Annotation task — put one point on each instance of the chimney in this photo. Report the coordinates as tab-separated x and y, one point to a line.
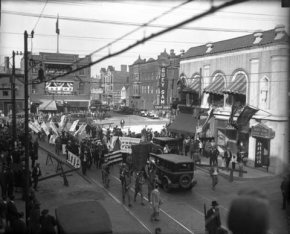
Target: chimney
6	68
209	46
258	36
123	68
279	31
182	52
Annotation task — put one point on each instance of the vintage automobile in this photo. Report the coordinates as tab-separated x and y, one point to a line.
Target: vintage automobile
174	144
174	171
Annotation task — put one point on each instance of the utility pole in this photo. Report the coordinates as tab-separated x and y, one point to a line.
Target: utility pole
26	110
13	97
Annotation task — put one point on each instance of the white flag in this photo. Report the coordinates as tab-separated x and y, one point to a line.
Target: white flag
53	127
61	123
31	125
36	124
80	128
45	128
73	126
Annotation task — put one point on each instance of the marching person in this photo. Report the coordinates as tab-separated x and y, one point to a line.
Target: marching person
213	155
126	187
139	186
214	175
213	220
105	174
36	173
285	186
84	161
156	202
227	157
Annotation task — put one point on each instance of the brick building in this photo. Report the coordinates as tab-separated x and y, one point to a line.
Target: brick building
68	93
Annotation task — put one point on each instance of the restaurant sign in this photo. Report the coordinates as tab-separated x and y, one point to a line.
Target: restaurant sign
163	87
59	87
262	131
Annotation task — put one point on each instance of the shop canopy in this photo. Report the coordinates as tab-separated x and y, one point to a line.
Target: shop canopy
238	86
47	105
184	124
192	86
216	87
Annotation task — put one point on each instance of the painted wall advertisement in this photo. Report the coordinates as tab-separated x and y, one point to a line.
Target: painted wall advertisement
163	87
59	87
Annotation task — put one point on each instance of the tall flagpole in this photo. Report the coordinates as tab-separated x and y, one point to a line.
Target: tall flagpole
57	32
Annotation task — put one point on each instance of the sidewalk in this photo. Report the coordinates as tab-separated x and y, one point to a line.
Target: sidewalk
251	173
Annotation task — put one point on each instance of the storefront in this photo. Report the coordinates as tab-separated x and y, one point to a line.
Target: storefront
263	135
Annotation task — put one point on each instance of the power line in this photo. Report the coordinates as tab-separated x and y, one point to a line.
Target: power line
40	15
208	12
123	23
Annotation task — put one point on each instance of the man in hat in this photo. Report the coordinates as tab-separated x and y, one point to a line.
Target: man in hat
36	173
47	222
213	220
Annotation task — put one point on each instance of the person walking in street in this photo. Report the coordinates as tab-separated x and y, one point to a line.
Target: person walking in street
214	171
285	190
140	180
213	155
227	157
156	202
234	161
36	173
126	187
84	162
213	220
105	174
151	180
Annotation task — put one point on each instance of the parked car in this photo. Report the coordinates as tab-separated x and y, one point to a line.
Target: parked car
174	171
144	113
154	116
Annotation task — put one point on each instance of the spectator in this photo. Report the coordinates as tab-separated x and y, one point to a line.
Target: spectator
156	202
47	223
36	173
139	186
285	184
212	219
249	213
227	157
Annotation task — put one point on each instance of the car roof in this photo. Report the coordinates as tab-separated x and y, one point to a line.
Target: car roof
166	138
175	158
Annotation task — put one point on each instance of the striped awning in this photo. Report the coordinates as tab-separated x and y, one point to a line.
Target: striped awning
192	86
216	87
238	86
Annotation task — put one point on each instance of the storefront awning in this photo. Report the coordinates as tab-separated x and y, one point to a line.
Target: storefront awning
238	86
216	87
184	124
193	86
81	104
47	105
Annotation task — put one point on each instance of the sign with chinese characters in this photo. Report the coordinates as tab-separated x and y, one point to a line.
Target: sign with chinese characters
161	107
59	87
262	131
163	86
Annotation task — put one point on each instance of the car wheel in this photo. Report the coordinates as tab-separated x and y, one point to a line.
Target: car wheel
165	185
185	181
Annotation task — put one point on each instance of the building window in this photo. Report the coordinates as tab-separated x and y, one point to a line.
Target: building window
264	93
5	93
148	89
81	88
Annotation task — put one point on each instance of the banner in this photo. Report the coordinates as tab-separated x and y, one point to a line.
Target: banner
36	124
245	116
53	127
127	142
73	126
163	83
32	127
61	123
52	139
210	115
113	157
80	130
45	128
73	160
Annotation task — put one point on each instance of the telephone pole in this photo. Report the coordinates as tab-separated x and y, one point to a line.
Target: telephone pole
26	128
13	98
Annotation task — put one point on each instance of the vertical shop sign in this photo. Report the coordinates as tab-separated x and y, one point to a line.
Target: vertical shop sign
163	86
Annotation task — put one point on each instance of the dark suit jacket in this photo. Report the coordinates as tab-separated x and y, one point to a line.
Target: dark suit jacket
213	220
228	155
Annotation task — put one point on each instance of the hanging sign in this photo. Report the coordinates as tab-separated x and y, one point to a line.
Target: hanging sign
163	86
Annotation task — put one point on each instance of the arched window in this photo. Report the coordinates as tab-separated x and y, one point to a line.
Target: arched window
264	93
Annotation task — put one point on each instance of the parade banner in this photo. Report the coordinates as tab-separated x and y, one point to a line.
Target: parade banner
36	124
63	147
127	142
53	127
73	160
114	157
73	126
62	121
32	127
45	128
80	130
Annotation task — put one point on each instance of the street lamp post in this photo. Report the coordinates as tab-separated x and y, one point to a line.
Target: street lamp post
26	129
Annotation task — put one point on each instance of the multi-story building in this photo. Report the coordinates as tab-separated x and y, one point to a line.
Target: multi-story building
250	72
96	88
67	93
153	82
113	82
5	90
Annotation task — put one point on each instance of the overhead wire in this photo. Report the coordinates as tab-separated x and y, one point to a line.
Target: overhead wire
40	15
175	26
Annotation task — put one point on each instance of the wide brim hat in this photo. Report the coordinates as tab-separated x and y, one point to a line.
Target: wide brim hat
214	203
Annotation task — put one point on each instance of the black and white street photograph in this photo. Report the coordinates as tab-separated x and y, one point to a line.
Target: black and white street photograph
144	117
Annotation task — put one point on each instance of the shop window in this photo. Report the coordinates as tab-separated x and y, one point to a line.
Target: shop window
216	100
264	93
236	99
5	93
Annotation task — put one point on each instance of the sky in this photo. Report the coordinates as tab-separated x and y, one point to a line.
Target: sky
87	26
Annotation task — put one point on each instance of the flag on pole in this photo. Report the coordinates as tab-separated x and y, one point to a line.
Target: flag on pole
245	116
56	26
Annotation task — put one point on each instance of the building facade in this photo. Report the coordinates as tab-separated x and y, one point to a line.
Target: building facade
153	82
5	90
239	75
69	93
113	82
